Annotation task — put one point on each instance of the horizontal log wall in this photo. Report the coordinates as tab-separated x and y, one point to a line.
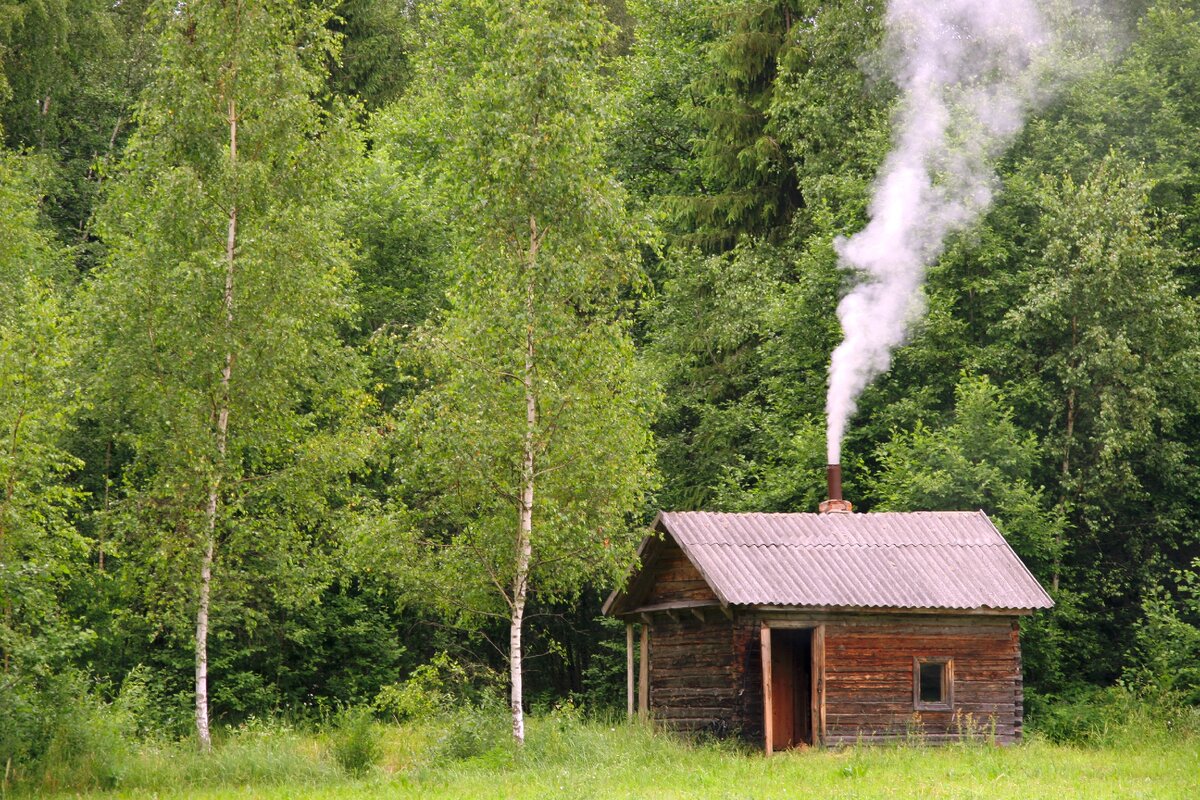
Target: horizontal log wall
869	679
869	675
676	578
693	684
708	676
748	648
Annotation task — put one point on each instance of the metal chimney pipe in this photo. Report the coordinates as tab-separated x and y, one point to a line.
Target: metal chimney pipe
836	504
833	478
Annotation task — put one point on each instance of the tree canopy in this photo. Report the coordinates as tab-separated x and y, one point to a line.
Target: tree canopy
348	342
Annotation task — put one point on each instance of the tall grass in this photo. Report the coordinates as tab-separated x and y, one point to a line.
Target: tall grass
1112	716
257	753
468	752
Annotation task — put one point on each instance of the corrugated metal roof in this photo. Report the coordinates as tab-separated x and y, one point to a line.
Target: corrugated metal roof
920	560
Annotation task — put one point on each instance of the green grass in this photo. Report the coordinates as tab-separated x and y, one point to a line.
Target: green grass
567	758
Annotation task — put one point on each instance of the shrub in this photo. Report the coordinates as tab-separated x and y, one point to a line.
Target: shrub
1111	716
470	732
1165	660
91	746
429	690
258	752
356	746
23	727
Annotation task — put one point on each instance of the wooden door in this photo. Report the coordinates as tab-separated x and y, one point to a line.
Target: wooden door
783	691
788	686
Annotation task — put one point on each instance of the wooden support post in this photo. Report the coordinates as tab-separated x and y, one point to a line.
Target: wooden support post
644	675
768	709
818	670
814	694
629	669
698	613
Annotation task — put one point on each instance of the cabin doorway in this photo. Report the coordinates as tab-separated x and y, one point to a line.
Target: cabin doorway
789	702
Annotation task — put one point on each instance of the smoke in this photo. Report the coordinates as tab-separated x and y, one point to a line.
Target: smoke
969	71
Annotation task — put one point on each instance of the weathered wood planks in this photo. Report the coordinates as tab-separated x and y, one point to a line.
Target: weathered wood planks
709	675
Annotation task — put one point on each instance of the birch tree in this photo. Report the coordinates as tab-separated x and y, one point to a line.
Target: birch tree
532	429
225	281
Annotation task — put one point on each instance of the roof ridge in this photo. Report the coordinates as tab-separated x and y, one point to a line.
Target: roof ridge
855	515
846	544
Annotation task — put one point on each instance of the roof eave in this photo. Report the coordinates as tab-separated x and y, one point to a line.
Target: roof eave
661	521
618	594
1046	598
966	612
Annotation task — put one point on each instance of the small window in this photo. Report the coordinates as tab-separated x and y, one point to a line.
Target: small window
933	683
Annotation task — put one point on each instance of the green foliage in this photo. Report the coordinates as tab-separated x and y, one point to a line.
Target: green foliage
531	149
706	325
652	138
980	460
41	552
748	177
1111	716
1103	305
225	371
603	679
60	733
355	740
75	68
465	710
429	690
471	732
598	758
543	249
1165	662
373	63
91	744
1104	336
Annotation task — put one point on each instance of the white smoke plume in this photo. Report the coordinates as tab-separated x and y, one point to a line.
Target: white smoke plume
969	71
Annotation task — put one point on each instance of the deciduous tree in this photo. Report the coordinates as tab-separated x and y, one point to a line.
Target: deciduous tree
532	432
218	307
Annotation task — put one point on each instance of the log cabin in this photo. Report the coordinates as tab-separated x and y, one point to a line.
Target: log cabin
828	628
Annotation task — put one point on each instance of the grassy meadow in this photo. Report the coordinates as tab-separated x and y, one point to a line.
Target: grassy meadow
568	757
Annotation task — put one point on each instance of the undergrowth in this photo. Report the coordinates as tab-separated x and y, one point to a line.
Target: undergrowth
471	746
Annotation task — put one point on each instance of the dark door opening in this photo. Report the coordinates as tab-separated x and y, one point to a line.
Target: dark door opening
791	688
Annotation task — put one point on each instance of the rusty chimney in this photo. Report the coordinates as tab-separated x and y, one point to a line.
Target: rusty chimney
835	504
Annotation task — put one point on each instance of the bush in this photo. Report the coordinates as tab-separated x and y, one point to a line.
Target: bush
88	751
24	730
561	736
1165	660
428	692
471	732
1110	716
91	746
258	752
59	733
356	746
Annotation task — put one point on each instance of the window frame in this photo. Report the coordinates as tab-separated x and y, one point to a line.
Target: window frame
947	701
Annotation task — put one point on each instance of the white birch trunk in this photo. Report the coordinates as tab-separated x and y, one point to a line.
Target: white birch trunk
214	488
524	549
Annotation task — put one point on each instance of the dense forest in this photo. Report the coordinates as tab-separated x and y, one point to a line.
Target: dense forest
349	348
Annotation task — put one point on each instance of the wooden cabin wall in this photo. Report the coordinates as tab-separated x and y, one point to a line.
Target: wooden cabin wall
693	685
868	672
869	679
708	676
748	647
675	578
